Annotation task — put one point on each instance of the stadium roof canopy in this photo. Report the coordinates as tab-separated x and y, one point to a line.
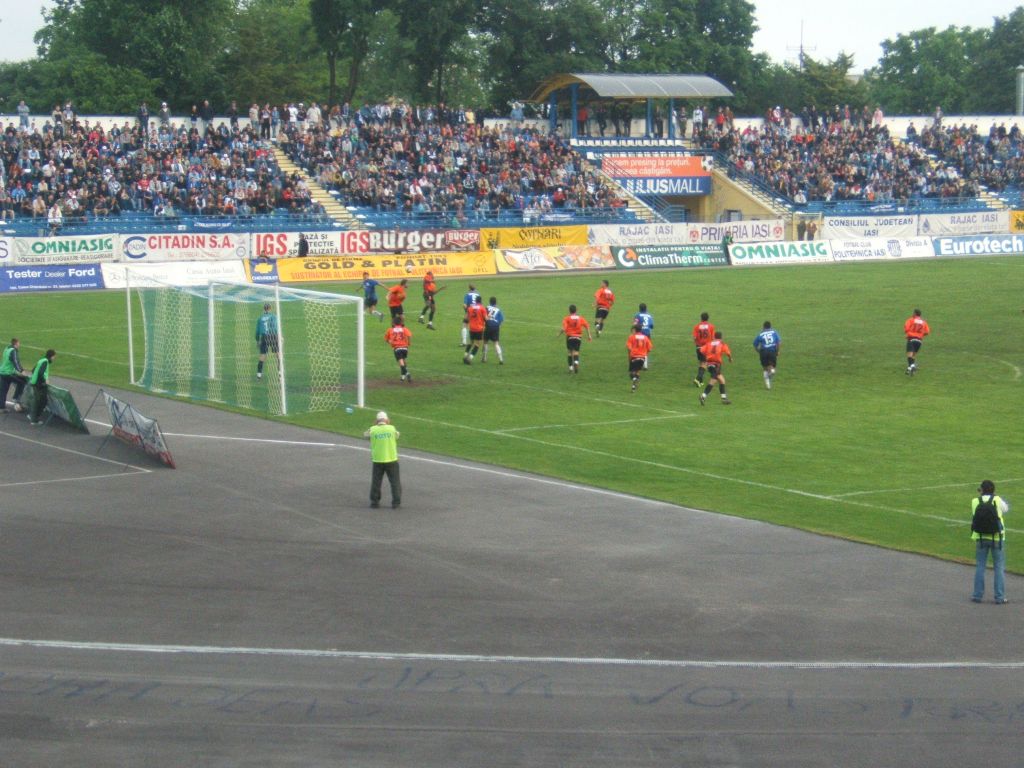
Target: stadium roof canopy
630	86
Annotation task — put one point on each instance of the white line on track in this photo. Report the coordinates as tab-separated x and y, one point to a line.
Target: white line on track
457	658
92	456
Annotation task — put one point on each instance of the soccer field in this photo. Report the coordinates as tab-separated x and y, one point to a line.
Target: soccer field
845	443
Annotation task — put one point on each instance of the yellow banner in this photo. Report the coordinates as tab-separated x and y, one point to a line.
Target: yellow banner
562	257
1017	221
326	268
526	237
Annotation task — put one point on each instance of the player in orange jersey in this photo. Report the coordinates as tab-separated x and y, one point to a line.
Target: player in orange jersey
915	329
639	346
603	300
430	290
396	295
703	332
398	336
573	326
713	352
476	322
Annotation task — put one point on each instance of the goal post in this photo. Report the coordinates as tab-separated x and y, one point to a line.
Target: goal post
201	342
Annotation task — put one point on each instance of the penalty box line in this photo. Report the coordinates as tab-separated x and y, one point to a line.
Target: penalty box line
458	658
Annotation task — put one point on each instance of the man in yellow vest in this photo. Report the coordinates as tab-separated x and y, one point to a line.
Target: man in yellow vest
384	452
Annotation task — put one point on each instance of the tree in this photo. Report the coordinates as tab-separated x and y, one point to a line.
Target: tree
343	27
435	28
995	68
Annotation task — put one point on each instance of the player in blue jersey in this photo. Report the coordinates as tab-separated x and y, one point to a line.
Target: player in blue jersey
767	344
472	297
644	320
492	330
369	289
266	337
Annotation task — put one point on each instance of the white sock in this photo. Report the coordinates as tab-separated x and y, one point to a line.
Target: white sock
465	335
501	357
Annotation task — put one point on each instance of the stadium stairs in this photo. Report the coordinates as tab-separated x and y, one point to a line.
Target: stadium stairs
338	212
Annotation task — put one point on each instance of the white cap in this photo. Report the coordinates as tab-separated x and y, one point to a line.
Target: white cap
382	416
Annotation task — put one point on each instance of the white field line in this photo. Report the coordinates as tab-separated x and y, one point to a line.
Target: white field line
460	658
595	423
1016	369
921	488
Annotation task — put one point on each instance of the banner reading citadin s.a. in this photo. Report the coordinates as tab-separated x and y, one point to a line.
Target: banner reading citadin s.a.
139	431
185	246
87	249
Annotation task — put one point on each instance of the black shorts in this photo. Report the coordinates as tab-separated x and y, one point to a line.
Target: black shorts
401	353
371	302
428	299
268	343
573	343
913	345
714	370
700	356
636	364
476	335
602	313
491	334
769	357
396	311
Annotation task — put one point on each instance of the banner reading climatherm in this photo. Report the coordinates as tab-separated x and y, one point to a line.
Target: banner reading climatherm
669	256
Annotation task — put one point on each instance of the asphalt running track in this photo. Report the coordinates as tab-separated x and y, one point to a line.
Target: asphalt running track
249	609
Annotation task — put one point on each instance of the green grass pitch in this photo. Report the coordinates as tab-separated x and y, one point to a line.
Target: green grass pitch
844	444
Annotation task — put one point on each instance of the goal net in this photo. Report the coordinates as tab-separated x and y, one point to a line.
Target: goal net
202	342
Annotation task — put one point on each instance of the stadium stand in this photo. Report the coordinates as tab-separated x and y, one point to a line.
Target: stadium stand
169	178
397	166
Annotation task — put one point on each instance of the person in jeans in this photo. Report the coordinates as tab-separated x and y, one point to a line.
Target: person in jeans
994	544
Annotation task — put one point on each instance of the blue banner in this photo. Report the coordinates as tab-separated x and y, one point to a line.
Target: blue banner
691	185
263	270
74	277
978	245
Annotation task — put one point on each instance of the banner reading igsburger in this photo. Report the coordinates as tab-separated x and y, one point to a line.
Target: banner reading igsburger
66	250
662	256
800	252
395	267
394	241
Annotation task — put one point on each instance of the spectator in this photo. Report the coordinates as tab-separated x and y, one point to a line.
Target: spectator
23	112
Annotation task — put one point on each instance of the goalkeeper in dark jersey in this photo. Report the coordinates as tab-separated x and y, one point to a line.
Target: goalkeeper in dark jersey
266	337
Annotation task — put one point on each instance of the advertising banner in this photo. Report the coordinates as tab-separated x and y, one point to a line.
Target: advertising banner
864	227
974	223
559	258
529	237
760	230
59	403
393	241
66	250
6	249
661	174
185	246
662	256
279	245
325	269
80	277
979	245
894	248
800	252
173	273
1016	223
262	271
136	430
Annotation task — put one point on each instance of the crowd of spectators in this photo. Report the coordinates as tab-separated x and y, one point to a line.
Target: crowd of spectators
995	161
68	170
839	155
437	161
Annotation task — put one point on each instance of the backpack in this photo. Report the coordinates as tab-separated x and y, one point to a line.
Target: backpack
986	518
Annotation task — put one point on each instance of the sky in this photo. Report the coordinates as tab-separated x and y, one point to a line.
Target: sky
856	27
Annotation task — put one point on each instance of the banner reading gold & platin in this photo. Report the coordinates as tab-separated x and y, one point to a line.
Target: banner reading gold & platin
317	269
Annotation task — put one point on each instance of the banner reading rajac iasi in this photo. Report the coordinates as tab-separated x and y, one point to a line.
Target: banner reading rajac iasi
185	246
748	231
87	249
914	225
393	267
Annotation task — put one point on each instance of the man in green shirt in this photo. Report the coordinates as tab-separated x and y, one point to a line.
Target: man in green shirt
40	381
11	372
384	452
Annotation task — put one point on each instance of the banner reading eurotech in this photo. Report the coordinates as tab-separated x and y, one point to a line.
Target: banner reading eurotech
559	258
661	174
394	241
663	256
863	227
979	245
183	246
394	267
66	250
529	237
801	252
